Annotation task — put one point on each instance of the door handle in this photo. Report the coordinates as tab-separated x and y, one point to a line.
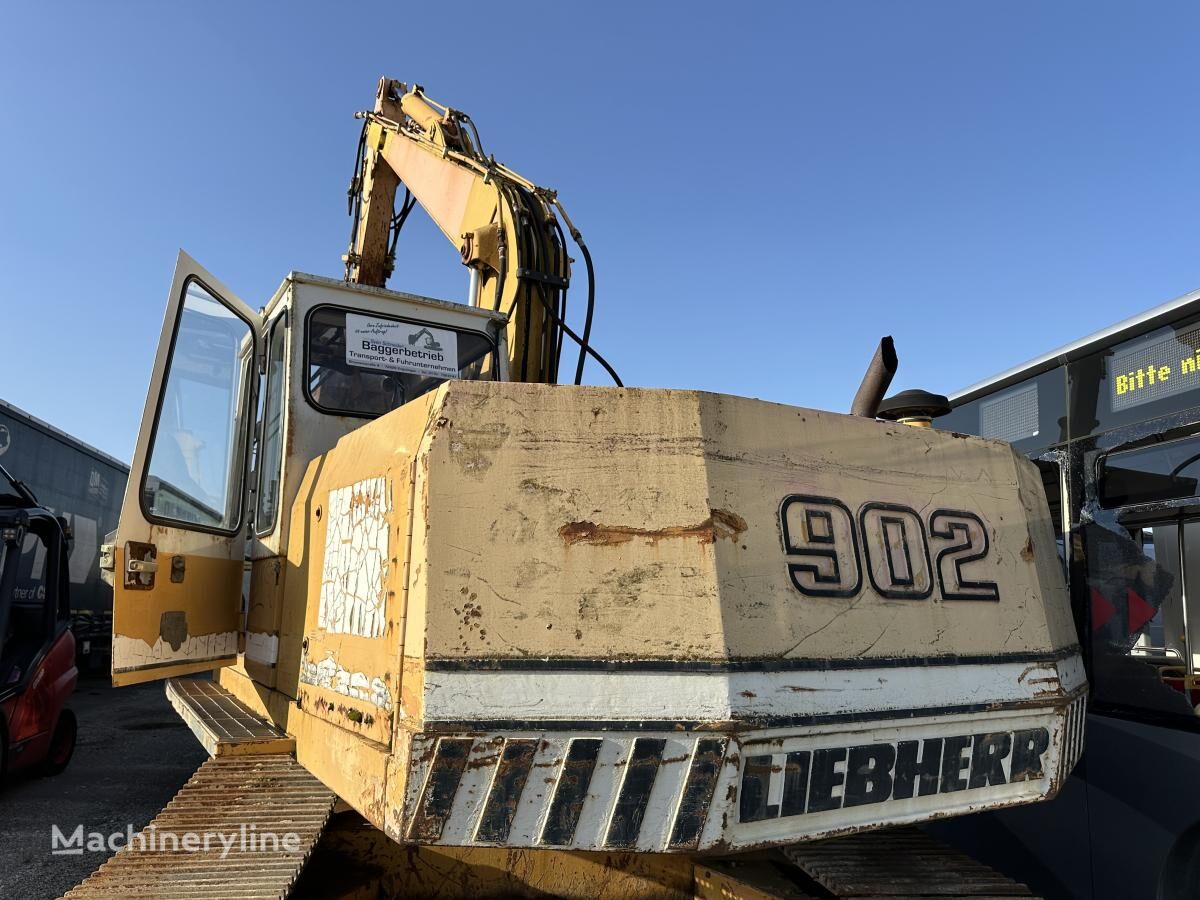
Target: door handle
141	562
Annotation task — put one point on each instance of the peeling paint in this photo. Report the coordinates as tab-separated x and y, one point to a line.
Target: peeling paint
353	599
134	652
330	675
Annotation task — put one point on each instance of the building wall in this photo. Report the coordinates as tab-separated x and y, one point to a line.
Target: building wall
76	481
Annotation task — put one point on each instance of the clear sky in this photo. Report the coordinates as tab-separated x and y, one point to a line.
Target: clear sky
766	188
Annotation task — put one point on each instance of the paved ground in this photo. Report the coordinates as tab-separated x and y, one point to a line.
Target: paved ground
133	754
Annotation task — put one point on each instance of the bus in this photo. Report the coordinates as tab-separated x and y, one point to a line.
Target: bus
85	486
1112	421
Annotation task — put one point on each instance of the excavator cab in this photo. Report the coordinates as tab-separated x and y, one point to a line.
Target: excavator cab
231	388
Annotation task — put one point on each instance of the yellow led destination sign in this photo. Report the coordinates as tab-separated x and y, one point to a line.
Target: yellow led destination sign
1155	368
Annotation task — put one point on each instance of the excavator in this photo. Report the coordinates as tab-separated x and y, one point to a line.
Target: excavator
469	631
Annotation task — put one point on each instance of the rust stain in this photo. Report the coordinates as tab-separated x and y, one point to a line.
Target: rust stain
1027	550
721	523
1035	667
483	762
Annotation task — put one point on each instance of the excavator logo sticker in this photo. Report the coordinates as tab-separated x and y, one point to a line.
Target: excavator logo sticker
430	343
832	778
377	343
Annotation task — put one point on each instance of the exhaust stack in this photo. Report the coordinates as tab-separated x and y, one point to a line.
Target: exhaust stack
876	380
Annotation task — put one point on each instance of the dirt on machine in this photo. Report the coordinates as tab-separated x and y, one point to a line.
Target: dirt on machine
495	614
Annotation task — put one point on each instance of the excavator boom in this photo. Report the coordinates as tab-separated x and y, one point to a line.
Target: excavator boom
505	228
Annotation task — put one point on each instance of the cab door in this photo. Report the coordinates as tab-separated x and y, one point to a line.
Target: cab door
177	558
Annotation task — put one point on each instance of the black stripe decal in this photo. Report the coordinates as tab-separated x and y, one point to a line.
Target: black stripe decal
697	793
756	782
515	763
882	715
573	664
795	783
640	772
440	787
570	793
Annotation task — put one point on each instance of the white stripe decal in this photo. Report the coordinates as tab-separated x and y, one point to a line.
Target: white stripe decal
722	696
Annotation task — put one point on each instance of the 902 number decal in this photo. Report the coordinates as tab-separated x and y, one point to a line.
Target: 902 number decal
821	540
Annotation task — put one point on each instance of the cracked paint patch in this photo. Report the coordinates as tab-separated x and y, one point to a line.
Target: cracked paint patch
129	653
353	599
330	675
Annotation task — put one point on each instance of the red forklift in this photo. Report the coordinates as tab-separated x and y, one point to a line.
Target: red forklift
37	649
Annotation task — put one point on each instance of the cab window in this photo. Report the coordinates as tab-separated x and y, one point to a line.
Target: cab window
194	472
362	364
34	603
270	448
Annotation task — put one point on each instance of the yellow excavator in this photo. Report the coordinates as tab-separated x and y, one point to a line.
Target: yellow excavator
560	639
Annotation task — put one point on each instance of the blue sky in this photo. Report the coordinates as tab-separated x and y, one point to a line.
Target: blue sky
766	188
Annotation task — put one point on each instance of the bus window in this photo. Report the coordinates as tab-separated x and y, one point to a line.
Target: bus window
1191	599
1051	471
1136	589
1167	471
1030	415
1162	636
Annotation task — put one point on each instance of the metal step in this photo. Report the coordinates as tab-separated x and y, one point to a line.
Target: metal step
262	816
222	723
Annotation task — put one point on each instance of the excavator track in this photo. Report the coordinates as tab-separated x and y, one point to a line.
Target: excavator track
267	806
897	863
245	792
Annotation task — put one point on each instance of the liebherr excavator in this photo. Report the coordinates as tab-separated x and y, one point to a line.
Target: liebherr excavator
503	618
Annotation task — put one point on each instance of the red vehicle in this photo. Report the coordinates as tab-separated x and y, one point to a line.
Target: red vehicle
37	649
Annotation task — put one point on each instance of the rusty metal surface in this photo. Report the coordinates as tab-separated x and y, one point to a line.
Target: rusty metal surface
242	799
896	863
747	877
